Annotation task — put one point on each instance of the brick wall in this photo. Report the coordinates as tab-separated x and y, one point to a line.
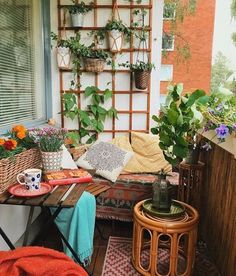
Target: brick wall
198	31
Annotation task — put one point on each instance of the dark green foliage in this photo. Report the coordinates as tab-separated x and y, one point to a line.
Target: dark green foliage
81	8
139	66
178	123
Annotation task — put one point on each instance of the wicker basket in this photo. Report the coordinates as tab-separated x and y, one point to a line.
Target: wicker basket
141	79
95	65
78	151
10	167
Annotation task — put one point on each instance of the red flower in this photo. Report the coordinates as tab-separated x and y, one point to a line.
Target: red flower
10	144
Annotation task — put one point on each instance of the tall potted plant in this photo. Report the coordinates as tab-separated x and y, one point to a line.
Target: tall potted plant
116	31
77	12
142	71
178	124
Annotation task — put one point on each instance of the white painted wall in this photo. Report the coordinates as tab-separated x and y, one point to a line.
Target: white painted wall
13	219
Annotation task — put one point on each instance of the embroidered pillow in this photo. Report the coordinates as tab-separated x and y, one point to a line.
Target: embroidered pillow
108	160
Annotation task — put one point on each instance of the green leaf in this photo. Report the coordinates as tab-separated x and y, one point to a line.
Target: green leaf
84	117
107	94
90	90
112	112
180	151
181	141
154	130
194	96
165	139
155	118
101	110
92	139
93	109
83	132
172	116
100	126
96	99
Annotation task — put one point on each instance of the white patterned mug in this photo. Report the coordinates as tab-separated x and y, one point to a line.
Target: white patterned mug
31	179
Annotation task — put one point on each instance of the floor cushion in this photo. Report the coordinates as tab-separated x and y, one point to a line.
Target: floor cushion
118	202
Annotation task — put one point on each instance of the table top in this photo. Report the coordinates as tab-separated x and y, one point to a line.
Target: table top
63	195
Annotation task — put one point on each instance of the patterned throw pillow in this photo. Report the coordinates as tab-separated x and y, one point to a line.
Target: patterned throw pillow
108	160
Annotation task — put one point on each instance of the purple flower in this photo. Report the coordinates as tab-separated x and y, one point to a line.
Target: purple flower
234	126
222	131
208	126
207	146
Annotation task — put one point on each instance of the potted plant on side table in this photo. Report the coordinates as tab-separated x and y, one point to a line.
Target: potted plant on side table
50	141
178	124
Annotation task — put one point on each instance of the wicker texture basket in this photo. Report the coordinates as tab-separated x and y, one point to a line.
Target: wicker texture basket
12	166
94	64
141	79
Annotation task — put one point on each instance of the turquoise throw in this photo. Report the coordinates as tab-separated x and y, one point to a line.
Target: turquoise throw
77	225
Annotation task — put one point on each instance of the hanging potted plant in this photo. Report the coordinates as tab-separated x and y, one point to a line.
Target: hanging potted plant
178	125
142	71
94	59
116	31
77	12
63	51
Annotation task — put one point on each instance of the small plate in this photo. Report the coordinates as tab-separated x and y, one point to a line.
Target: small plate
19	190
176	210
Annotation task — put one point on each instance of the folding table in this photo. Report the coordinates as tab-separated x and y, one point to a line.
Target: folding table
64	196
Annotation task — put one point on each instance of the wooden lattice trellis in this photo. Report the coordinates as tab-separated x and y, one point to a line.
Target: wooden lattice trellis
132	93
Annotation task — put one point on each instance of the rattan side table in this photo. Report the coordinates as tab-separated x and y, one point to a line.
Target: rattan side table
190	183
177	238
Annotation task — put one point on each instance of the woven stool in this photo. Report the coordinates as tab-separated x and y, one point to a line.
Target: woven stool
190	183
177	237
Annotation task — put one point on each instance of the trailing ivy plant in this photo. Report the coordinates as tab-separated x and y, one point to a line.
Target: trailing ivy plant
92	119
178	123
80	8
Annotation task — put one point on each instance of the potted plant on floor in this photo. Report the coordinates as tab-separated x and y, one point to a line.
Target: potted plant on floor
94	59
142	71
178	124
77	12
116	31
63	51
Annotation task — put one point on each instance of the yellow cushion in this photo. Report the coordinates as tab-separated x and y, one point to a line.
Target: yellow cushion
148	156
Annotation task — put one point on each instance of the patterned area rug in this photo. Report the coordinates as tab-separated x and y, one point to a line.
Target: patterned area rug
118	260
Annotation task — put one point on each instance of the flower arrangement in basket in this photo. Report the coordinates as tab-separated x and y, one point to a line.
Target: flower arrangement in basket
50	141
18	152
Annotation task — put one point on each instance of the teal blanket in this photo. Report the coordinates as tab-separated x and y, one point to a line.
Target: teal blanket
77	225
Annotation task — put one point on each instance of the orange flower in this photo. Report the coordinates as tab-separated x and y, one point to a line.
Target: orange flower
10	144
21	134
2	141
19	128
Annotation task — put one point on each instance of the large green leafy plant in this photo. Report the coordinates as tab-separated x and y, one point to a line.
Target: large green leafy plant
81	8
178	123
92	119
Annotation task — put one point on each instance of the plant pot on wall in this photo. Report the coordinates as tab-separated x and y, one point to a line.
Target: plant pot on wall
115	39
63	57
77	19
141	79
95	65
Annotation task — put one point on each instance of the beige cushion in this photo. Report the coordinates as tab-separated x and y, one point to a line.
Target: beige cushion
148	156
108	160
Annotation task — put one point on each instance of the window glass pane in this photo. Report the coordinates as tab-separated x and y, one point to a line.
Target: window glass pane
169	11
22	97
167	42
166	73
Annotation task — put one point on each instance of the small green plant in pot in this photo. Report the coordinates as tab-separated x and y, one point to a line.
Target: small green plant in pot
63	51
77	12
142	71
117	30
94	59
178	124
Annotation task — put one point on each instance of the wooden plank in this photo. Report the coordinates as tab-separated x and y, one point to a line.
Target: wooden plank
96	189
4	196
55	198
74	195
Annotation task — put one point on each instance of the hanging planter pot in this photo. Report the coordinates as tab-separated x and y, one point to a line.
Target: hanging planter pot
77	19
95	65
115	39
141	79
63	57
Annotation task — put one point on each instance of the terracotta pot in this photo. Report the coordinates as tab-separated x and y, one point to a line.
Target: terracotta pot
51	161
